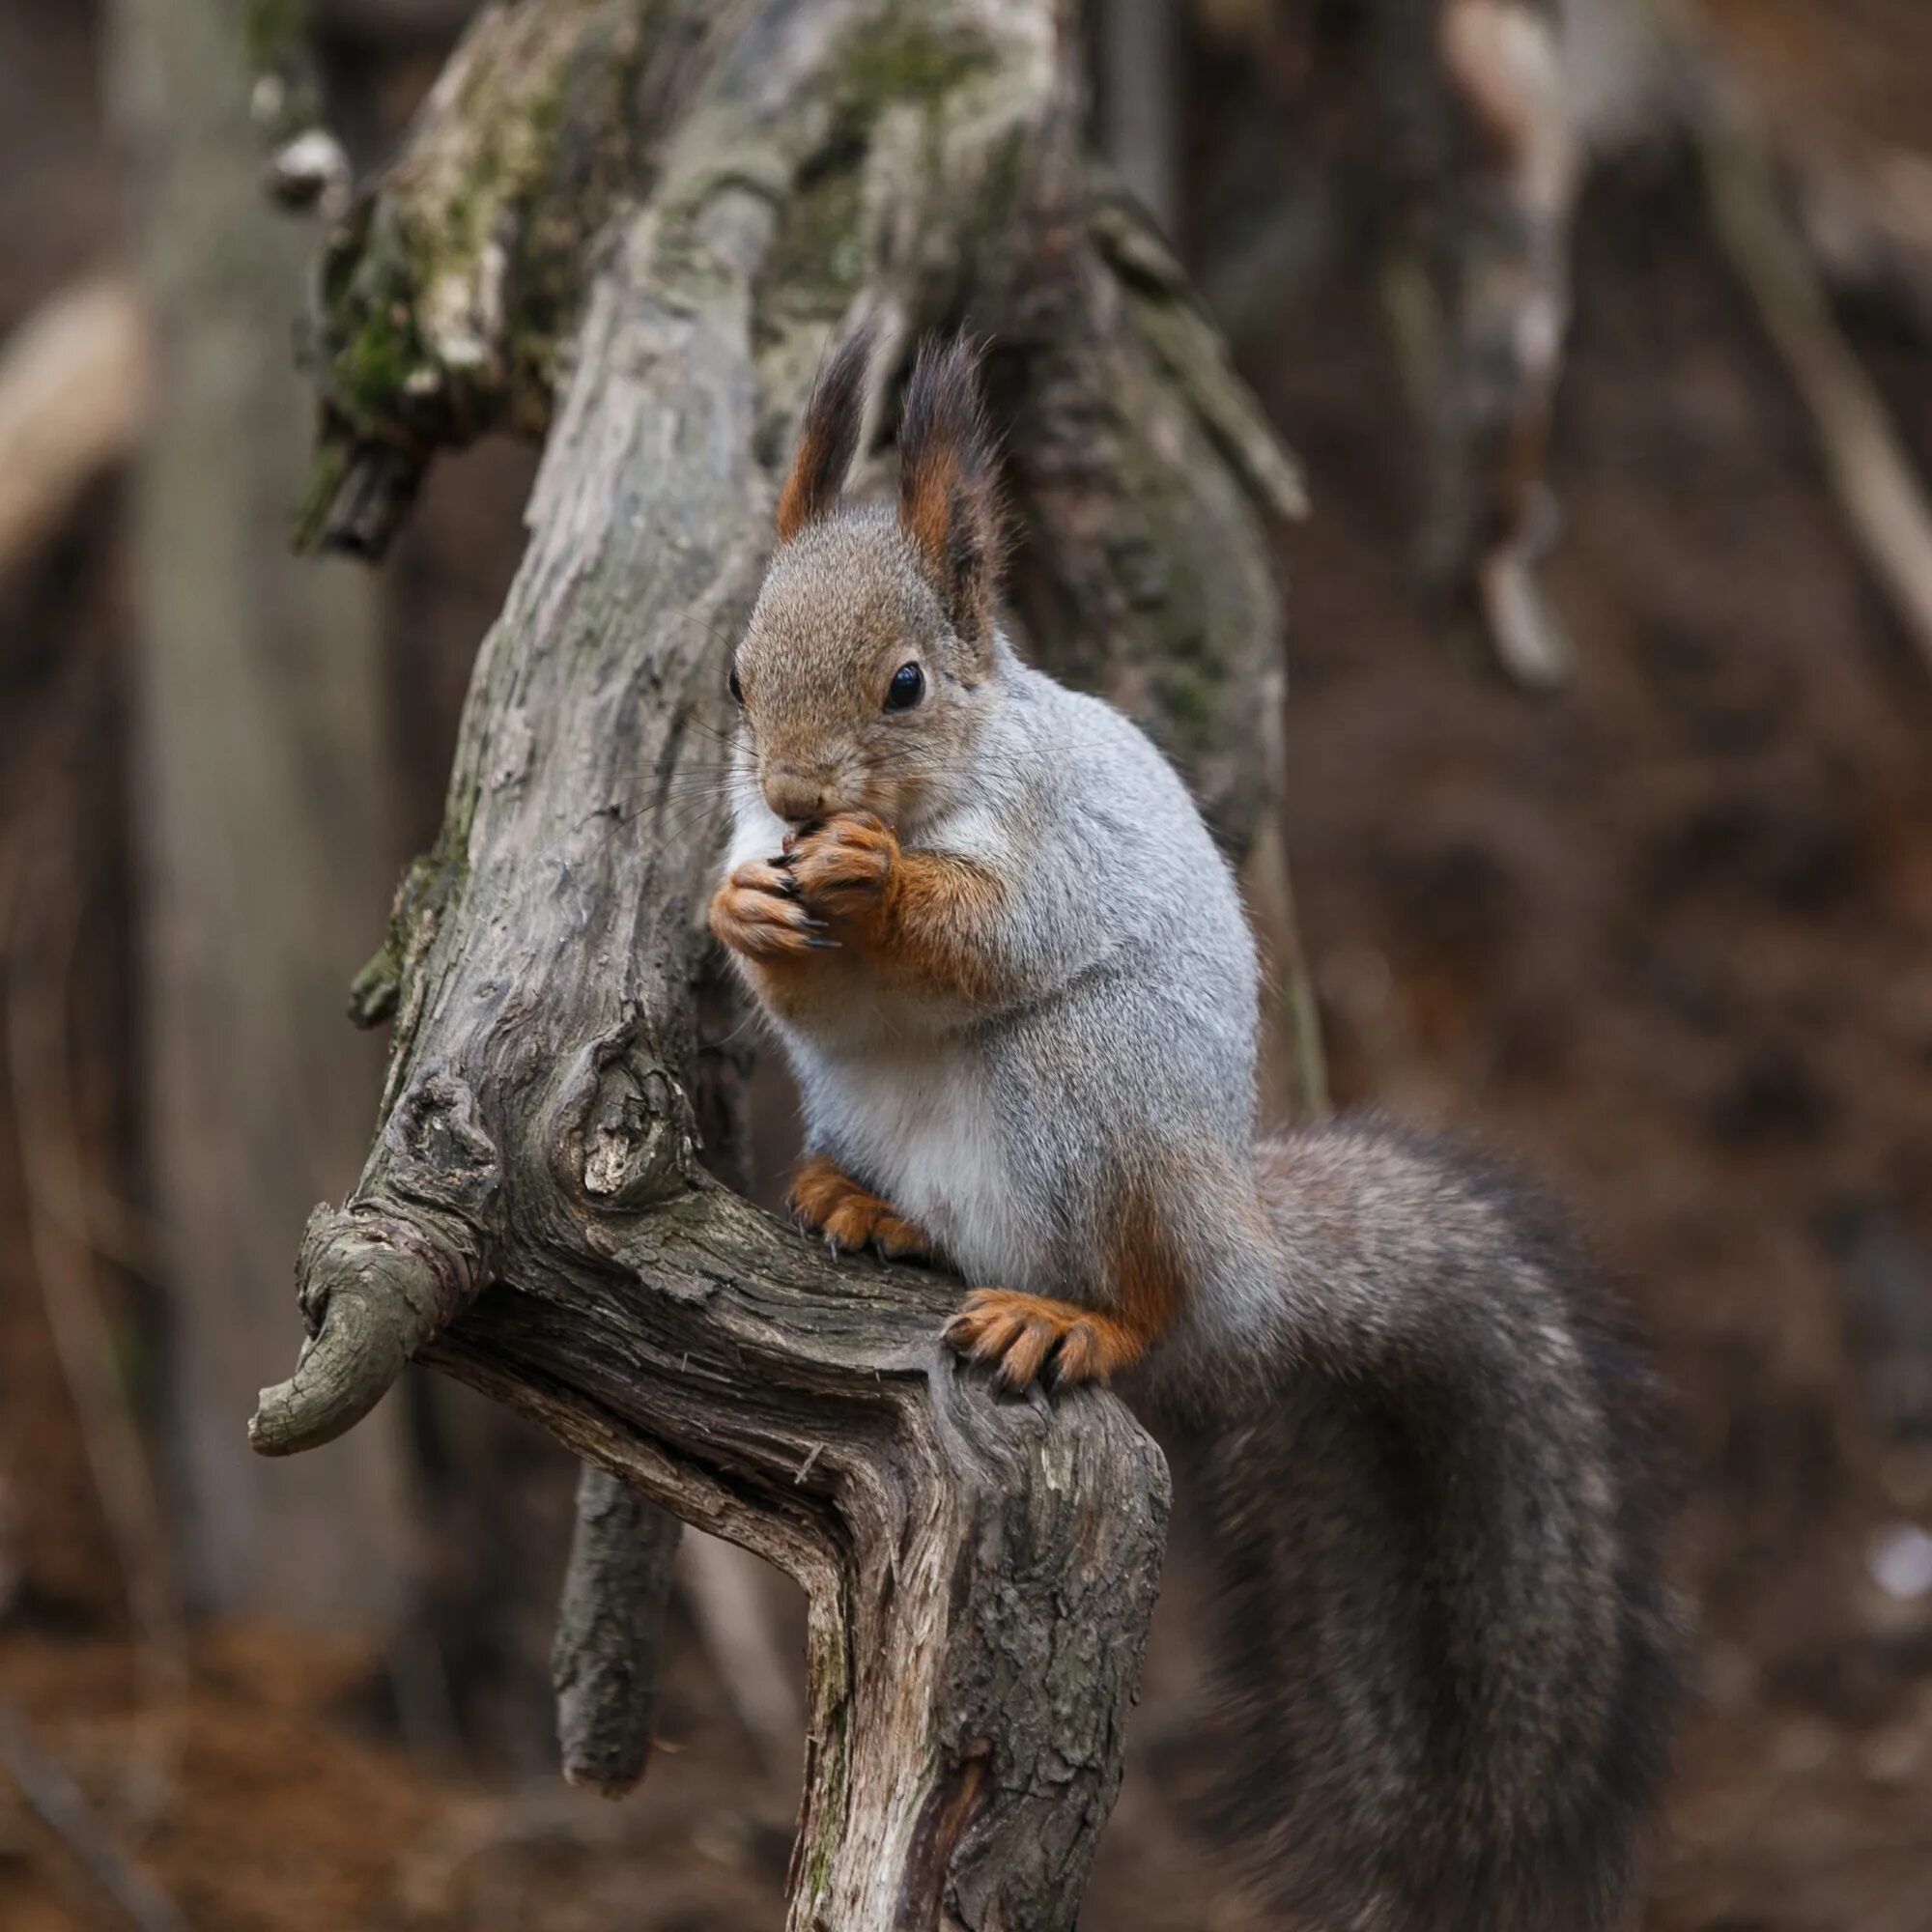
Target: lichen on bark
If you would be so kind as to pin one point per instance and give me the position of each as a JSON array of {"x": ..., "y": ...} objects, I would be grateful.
[
  {"x": 442, "y": 296},
  {"x": 277, "y": 43}
]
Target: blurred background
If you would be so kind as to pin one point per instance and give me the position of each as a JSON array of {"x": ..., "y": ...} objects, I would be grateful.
[{"x": 1625, "y": 863}]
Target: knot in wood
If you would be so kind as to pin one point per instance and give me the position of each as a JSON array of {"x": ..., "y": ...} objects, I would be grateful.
[
  {"x": 439, "y": 1151},
  {"x": 636, "y": 1133}
]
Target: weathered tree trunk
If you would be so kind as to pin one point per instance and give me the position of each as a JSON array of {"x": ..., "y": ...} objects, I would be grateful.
[
  {"x": 262, "y": 831},
  {"x": 532, "y": 1218}
]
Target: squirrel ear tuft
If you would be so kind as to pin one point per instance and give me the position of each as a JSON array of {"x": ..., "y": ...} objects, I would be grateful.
[
  {"x": 829, "y": 438},
  {"x": 949, "y": 483}
]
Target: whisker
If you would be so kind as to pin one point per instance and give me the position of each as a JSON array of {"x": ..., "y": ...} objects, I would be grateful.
[
  {"x": 704, "y": 727},
  {"x": 754, "y": 1016},
  {"x": 703, "y": 624}
]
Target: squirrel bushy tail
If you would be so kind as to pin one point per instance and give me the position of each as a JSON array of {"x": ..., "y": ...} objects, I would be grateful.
[{"x": 1446, "y": 1652}]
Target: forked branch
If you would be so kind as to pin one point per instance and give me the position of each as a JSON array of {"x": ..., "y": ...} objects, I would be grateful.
[{"x": 532, "y": 1218}]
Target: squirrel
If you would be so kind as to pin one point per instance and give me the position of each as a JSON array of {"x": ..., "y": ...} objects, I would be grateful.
[{"x": 1011, "y": 973}]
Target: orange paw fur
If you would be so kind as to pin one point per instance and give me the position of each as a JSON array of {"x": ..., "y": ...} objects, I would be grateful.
[
  {"x": 843, "y": 867},
  {"x": 1020, "y": 1334},
  {"x": 758, "y": 913},
  {"x": 831, "y": 1204}
]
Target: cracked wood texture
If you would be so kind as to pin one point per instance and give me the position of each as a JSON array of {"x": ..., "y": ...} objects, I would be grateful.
[{"x": 532, "y": 1218}]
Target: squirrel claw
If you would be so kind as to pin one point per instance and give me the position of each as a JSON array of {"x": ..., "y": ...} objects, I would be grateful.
[
  {"x": 1029, "y": 1338},
  {"x": 824, "y": 1201},
  {"x": 842, "y": 867},
  {"x": 759, "y": 913}
]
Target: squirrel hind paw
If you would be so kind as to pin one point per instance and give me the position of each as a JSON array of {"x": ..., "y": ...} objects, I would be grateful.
[
  {"x": 1028, "y": 1337},
  {"x": 824, "y": 1201}
]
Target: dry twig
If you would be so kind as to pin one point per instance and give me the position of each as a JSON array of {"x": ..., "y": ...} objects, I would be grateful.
[
  {"x": 59, "y": 1804},
  {"x": 1882, "y": 499}
]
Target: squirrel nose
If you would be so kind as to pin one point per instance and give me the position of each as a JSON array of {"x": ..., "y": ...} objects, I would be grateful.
[{"x": 794, "y": 797}]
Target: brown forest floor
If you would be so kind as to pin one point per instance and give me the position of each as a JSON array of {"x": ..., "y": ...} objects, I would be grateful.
[{"x": 1668, "y": 937}]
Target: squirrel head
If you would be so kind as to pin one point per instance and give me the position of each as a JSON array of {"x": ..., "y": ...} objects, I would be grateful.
[{"x": 871, "y": 660}]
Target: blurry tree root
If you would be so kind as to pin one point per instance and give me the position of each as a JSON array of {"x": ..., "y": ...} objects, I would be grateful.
[
  {"x": 1461, "y": 163},
  {"x": 1481, "y": 119},
  {"x": 1488, "y": 292},
  {"x": 63, "y": 1807},
  {"x": 1482, "y": 168}
]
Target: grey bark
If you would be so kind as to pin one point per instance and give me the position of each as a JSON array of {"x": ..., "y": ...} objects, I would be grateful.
[
  {"x": 532, "y": 1218},
  {"x": 260, "y": 827},
  {"x": 610, "y": 1632}
]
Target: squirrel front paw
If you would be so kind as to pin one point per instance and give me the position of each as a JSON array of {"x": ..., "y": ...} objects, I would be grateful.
[
  {"x": 843, "y": 867},
  {"x": 757, "y": 912},
  {"x": 850, "y": 1218},
  {"x": 1019, "y": 1334}
]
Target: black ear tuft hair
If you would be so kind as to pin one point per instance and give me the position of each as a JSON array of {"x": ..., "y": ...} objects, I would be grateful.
[
  {"x": 949, "y": 483},
  {"x": 829, "y": 438}
]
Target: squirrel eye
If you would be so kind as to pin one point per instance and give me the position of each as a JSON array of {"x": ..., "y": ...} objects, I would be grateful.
[
  {"x": 907, "y": 688},
  {"x": 737, "y": 689}
]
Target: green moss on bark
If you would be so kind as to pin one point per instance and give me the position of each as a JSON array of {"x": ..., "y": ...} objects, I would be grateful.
[
  {"x": 430, "y": 884},
  {"x": 277, "y": 45},
  {"x": 272, "y": 30},
  {"x": 900, "y": 58},
  {"x": 444, "y": 293}
]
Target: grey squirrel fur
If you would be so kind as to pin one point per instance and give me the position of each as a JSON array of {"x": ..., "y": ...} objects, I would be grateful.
[{"x": 1011, "y": 973}]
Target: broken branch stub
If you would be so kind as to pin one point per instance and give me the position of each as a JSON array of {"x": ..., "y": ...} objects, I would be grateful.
[
  {"x": 446, "y": 289},
  {"x": 532, "y": 1218},
  {"x": 379, "y": 1278},
  {"x": 610, "y": 1632}
]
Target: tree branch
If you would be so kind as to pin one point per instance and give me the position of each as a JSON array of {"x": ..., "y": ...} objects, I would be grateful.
[
  {"x": 610, "y": 1632},
  {"x": 444, "y": 293},
  {"x": 1483, "y": 162},
  {"x": 978, "y": 1573}
]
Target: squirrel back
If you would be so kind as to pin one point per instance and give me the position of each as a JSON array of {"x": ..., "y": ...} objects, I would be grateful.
[{"x": 1010, "y": 971}]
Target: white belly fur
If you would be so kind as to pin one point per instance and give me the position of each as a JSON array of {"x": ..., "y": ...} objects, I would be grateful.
[{"x": 919, "y": 1124}]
